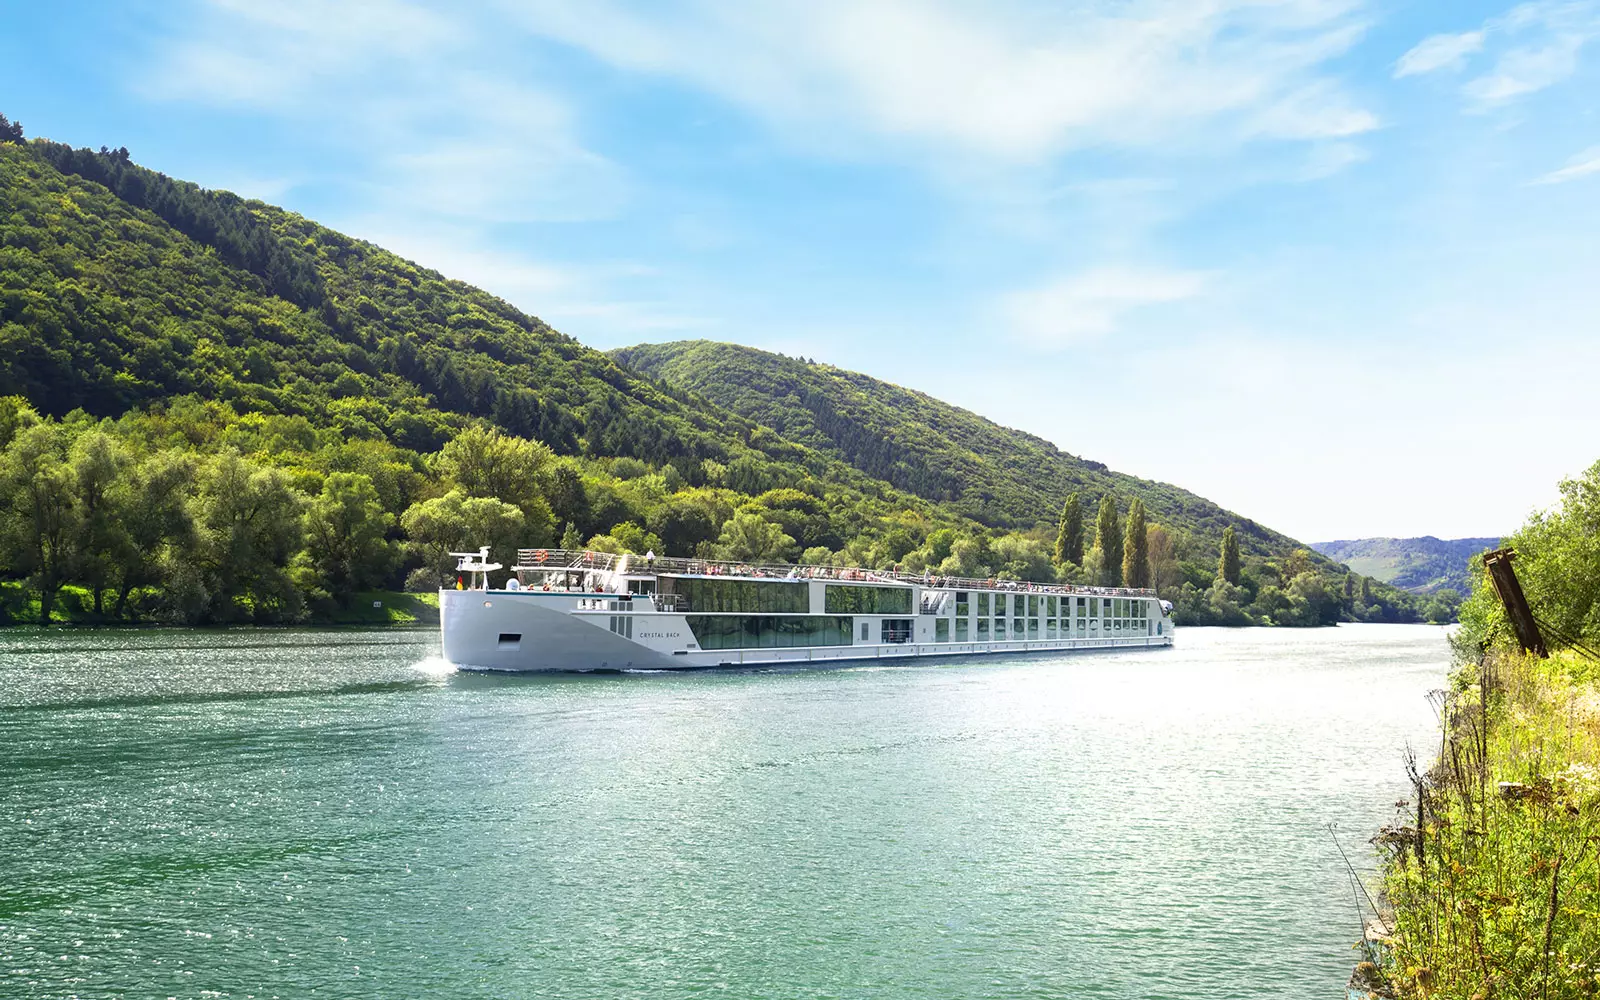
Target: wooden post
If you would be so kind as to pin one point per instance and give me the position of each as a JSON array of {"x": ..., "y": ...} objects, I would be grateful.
[{"x": 1505, "y": 583}]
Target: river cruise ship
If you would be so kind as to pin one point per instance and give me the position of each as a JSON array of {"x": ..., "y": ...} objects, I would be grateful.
[{"x": 567, "y": 610}]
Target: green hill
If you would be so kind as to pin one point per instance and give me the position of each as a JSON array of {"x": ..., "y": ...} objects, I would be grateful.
[
  {"x": 1423, "y": 565},
  {"x": 997, "y": 475},
  {"x": 214, "y": 410}
]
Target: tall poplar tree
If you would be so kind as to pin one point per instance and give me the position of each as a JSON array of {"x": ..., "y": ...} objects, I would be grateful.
[
  {"x": 1108, "y": 536},
  {"x": 1136, "y": 548},
  {"x": 1069, "y": 536},
  {"x": 1228, "y": 564}
]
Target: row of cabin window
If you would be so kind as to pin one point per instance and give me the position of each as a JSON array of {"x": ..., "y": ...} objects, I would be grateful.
[
  {"x": 766, "y": 632},
  {"x": 1031, "y": 629},
  {"x": 1029, "y": 606}
]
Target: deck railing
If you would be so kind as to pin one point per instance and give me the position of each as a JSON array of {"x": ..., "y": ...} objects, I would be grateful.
[{"x": 559, "y": 560}]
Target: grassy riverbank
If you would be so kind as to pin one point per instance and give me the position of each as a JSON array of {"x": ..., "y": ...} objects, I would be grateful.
[
  {"x": 1493, "y": 870},
  {"x": 1499, "y": 892},
  {"x": 74, "y": 605}
]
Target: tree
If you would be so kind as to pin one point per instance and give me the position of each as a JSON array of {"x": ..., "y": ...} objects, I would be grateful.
[
  {"x": 249, "y": 525},
  {"x": 1094, "y": 565},
  {"x": 1228, "y": 561},
  {"x": 637, "y": 540},
  {"x": 41, "y": 517},
  {"x": 486, "y": 463},
  {"x": 1069, "y": 533},
  {"x": 10, "y": 131},
  {"x": 965, "y": 559},
  {"x": 749, "y": 537},
  {"x": 1108, "y": 539},
  {"x": 456, "y": 522},
  {"x": 570, "y": 539},
  {"x": 98, "y": 461},
  {"x": 346, "y": 535},
  {"x": 1136, "y": 547},
  {"x": 155, "y": 516},
  {"x": 1164, "y": 571},
  {"x": 1019, "y": 557}
]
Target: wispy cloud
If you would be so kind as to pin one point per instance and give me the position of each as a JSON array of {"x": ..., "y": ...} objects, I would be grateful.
[
  {"x": 396, "y": 81},
  {"x": 1438, "y": 52},
  {"x": 1584, "y": 164},
  {"x": 1090, "y": 304},
  {"x": 1011, "y": 82},
  {"x": 1534, "y": 46}
]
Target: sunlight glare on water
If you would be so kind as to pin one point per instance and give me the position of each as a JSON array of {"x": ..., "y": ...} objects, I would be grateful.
[{"x": 282, "y": 814}]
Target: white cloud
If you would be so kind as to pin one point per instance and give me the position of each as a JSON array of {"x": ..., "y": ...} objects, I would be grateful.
[
  {"x": 1089, "y": 305},
  {"x": 396, "y": 84},
  {"x": 1009, "y": 81},
  {"x": 1438, "y": 52},
  {"x": 1526, "y": 69},
  {"x": 1582, "y": 165},
  {"x": 270, "y": 55},
  {"x": 1329, "y": 158},
  {"x": 1535, "y": 46}
]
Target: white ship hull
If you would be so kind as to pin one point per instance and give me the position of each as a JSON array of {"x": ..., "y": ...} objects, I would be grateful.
[{"x": 522, "y": 631}]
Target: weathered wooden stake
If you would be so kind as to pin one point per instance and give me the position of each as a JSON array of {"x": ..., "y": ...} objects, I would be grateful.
[{"x": 1505, "y": 583}]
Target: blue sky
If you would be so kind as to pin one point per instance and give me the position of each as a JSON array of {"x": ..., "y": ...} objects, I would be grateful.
[{"x": 1330, "y": 263}]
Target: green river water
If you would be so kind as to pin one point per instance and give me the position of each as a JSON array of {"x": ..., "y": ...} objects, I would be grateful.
[{"x": 299, "y": 814}]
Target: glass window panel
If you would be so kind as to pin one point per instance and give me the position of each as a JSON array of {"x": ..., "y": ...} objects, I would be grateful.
[
  {"x": 941, "y": 630},
  {"x": 983, "y": 605},
  {"x": 1033, "y": 605},
  {"x": 961, "y": 629},
  {"x": 983, "y": 628}
]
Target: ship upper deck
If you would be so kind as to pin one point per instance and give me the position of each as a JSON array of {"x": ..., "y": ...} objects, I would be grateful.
[{"x": 628, "y": 564}]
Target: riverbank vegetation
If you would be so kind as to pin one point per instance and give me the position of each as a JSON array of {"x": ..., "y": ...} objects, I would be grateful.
[
  {"x": 216, "y": 411},
  {"x": 1493, "y": 868}
]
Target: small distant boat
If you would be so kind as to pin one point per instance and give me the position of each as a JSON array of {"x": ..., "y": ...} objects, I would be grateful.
[{"x": 571, "y": 610}]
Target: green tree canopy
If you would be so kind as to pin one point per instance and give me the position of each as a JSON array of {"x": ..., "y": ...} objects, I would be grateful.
[
  {"x": 1108, "y": 539},
  {"x": 1069, "y": 533},
  {"x": 749, "y": 537},
  {"x": 1136, "y": 547},
  {"x": 1228, "y": 561},
  {"x": 347, "y": 535}
]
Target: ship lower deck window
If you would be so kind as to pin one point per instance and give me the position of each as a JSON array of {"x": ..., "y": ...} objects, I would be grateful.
[
  {"x": 769, "y": 631},
  {"x": 897, "y": 630},
  {"x": 941, "y": 630}
]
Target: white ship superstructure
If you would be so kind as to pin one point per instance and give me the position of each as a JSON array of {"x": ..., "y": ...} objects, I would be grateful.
[{"x": 570, "y": 610}]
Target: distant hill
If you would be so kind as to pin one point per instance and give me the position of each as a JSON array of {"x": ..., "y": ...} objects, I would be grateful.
[
  {"x": 991, "y": 473},
  {"x": 1423, "y": 565}
]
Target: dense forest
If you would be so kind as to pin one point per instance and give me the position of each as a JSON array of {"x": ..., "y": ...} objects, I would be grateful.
[{"x": 213, "y": 411}]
